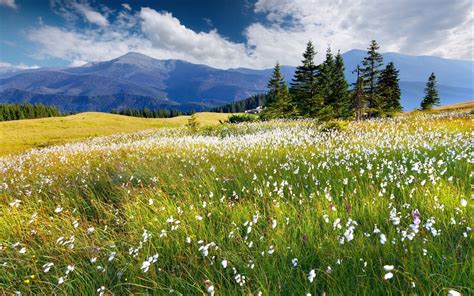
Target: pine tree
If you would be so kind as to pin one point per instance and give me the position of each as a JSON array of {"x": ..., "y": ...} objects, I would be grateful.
[
  {"x": 276, "y": 84},
  {"x": 326, "y": 77},
  {"x": 339, "y": 94},
  {"x": 431, "y": 94},
  {"x": 304, "y": 86},
  {"x": 370, "y": 73},
  {"x": 279, "y": 103},
  {"x": 389, "y": 90},
  {"x": 359, "y": 96}
]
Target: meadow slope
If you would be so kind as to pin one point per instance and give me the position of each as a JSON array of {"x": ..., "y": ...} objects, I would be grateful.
[
  {"x": 20, "y": 135},
  {"x": 382, "y": 207}
]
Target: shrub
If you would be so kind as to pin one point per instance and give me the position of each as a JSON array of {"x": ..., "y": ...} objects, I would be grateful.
[
  {"x": 334, "y": 125},
  {"x": 193, "y": 123},
  {"x": 239, "y": 118}
]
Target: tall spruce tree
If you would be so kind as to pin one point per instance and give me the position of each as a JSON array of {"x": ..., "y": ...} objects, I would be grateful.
[
  {"x": 325, "y": 86},
  {"x": 339, "y": 94},
  {"x": 370, "y": 73},
  {"x": 304, "y": 87},
  {"x": 326, "y": 77},
  {"x": 389, "y": 90},
  {"x": 279, "y": 103},
  {"x": 359, "y": 101},
  {"x": 431, "y": 94}
]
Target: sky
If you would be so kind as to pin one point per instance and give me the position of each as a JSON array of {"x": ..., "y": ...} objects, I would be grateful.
[{"x": 227, "y": 33}]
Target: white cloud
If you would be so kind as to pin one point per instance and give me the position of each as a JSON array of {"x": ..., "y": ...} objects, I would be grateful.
[
  {"x": 89, "y": 45},
  {"x": 160, "y": 35},
  {"x": 126, "y": 6},
  {"x": 411, "y": 27},
  {"x": 9, "y": 3},
  {"x": 91, "y": 15},
  {"x": 167, "y": 34},
  {"x": 18, "y": 66}
]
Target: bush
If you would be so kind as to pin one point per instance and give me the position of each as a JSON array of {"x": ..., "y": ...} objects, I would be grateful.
[
  {"x": 193, "y": 123},
  {"x": 239, "y": 118},
  {"x": 334, "y": 125}
]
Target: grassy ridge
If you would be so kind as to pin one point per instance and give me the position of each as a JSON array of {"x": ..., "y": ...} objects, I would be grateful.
[
  {"x": 18, "y": 136},
  {"x": 466, "y": 106},
  {"x": 247, "y": 209}
]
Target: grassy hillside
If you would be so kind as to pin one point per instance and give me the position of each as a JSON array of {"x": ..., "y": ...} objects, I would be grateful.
[
  {"x": 18, "y": 136},
  {"x": 466, "y": 106},
  {"x": 381, "y": 207}
]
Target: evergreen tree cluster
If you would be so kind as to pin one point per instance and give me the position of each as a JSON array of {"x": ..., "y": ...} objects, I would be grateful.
[
  {"x": 26, "y": 111},
  {"x": 251, "y": 102},
  {"x": 147, "y": 113},
  {"x": 321, "y": 91}
]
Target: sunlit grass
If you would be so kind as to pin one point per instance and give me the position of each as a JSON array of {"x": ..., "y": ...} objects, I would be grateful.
[
  {"x": 20, "y": 135},
  {"x": 246, "y": 209}
]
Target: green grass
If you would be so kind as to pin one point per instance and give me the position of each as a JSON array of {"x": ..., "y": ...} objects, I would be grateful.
[
  {"x": 20, "y": 135},
  {"x": 291, "y": 172}
]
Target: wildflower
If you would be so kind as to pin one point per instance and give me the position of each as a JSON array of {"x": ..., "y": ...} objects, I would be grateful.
[
  {"x": 240, "y": 279},
  {"x": 47, "y": 266},
  {"x": 294, "y": 262},
  {"x": 60, "y": 280},
  {"x": 210, "y": 288},
  {"x": 463, "y": 202},
  {"x": 145, "y": 266},
  {"x": 147, "y": 263},
  {"x": 224, "y": 263},
  {"x": 101, "y": 291},
  {"x": 393, "y": 217},
  {"x": 453, "y": 293},
  {"x": 58, "y": 210},
  {"x": 70, "y": 268},
  {"x": 274, "y": 223},
  {"x": 383, "y": 239},
  {"x": 22, "y": 250},
  {"x": 75, "y": 224},
  {"x": 311, "y": 275},
  {"x": 388, "y": 267},
  {"x": 15, "y": 203},
  {"x": 388, "y": 276},
  {"x": 271, "y": 250},
  {"x": 199, "y": 218}
]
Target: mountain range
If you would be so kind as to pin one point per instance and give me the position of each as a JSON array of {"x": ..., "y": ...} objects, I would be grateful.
[{"x": 137, "y": 81}]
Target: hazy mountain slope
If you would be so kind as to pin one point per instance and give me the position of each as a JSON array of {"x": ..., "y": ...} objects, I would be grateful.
[
  {"x": 137, "y": 81},
  {"x": 68, "y": 103},
  {"x": 450, "y": 72},
  {"x": 181, "y": 81}
]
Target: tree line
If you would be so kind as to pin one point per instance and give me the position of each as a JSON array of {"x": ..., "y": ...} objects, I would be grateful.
[
  {"x": 30, "y": 111},
  {"x": 148, "y": 113},
  {"x": 27, "y": 111},
  {"x": 251, "y": 102},
  {"x": 321, "y": 91}
]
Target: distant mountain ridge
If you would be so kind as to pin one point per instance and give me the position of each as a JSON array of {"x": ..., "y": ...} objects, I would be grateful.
[{"x": 137, "y": 81}]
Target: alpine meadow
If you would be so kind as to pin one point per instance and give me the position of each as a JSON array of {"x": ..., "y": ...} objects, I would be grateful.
[{"x": 224, "y": 148}]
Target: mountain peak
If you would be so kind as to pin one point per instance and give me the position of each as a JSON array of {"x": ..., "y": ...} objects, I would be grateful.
[{"x": 134, "y": 58}]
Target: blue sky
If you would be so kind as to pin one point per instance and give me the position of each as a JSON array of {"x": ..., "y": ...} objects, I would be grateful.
[{"x": 227, "y": 33}]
